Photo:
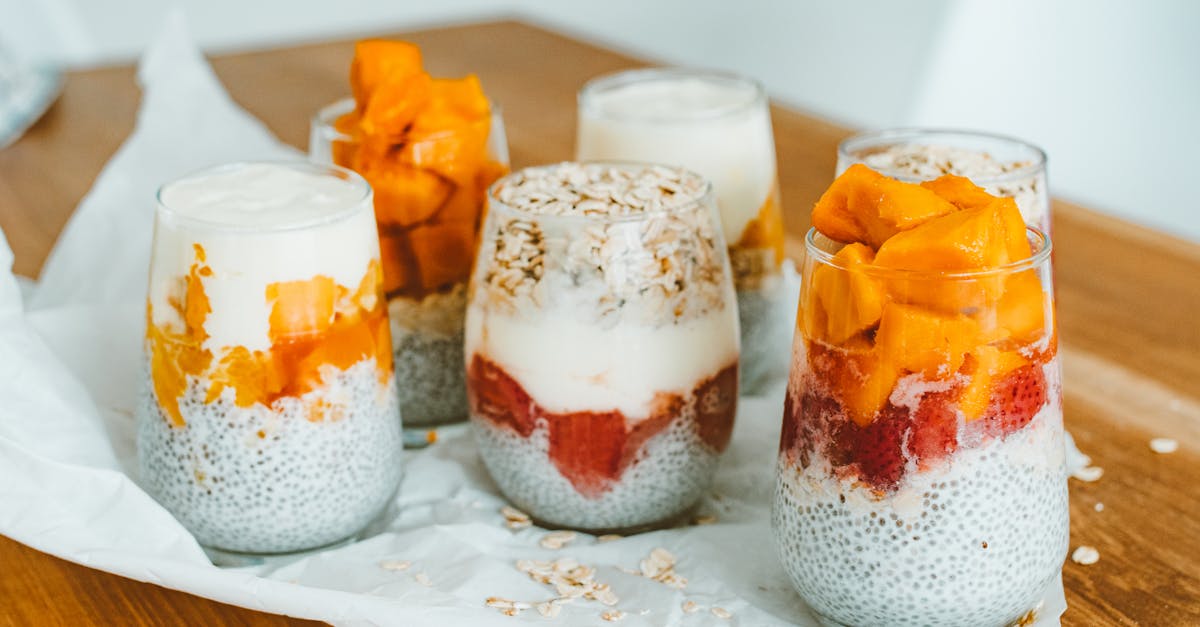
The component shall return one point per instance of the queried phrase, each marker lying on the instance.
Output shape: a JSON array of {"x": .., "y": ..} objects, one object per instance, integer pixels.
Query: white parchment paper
[{"x": 69, "y": 356}]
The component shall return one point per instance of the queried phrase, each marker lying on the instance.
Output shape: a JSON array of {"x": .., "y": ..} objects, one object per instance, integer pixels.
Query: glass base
[
  {"x": 235, "y": 559},
  {"x": 675, "y": 520}
]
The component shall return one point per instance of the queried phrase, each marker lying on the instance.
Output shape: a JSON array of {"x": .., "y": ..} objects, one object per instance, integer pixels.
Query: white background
[{"x": 1110, "y": 88}]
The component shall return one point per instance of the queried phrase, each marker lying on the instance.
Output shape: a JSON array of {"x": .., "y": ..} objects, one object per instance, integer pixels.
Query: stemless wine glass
[
  {"x": 718, "y": 125},
  {"x": 602, "y": 343},
  {"x": 921, "y": 475},
  {"x": 430, "y": 192},
  {"x": 1004, "y": 166},
  {"x": 269, "y": 420}
]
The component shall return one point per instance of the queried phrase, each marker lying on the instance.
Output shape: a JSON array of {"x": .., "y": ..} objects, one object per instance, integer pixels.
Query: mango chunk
[
  {"x": 395, "y": 104},
  {"x": 445, "y": 253},
  {"x": 959, "y": 191},
  {"x": 987, "y": 364},
  {"x": 851, "y": 299},
  {"x": 1021, "y": 313},
  {"x": 863, "y": 206},
  {"x": 921, "y": 340},
  {"x": 301, "y": 308},
  {"x": 865, "y": 386},
  {"x": 376, "y": 60},
  {"x": 406, "y": 196}
]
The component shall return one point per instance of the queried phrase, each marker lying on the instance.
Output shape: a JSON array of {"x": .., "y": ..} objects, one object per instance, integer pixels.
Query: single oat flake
[
  {"x": 1085, "y": 555},
  {"x": 612, "y": 616},
  {"x": 395, "y": 564},
  {"x": 1164, "y": 446},
  {"x": 721, "y": 612},
  {"x": 557, "y": 539}
]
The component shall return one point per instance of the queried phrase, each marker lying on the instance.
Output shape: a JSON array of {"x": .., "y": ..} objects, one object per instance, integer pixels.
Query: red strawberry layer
[
  {"x": 879, "y": 453},
  {"x": 593, "y": 449}
]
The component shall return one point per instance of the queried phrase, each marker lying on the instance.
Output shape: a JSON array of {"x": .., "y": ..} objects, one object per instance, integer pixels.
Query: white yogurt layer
[
  {"x": 717, "y": 129},
  {"x": 258, "y": 224},
  {"x": 568, "y": 363}
]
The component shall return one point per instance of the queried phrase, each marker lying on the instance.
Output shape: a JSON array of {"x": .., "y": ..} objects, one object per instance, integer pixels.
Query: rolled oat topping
[{"x": 665, "y": 257}]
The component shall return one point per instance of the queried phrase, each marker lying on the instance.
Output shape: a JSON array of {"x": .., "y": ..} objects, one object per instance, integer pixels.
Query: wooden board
[{"x": 1127, "y": 303}]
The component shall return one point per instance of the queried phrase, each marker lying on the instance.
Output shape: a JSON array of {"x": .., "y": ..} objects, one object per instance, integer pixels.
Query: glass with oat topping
[
  {"x": 718, "y": 125},
  {"x": 602, "y": 343},
  {"x": 1004, "y": 166},
  {"x": 269, "y": 420},
  {"x": 429, "y": 147}
]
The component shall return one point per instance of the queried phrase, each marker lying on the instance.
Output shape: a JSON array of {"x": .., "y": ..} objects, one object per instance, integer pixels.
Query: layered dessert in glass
[
  {"x": 718, "y": 125},
  {"x": 269, "y": 420},
  {"x": 602, "y": 343},
  {"x": 921, "y": 475},
  {"x": 429, "y": 147},
  {"x": 1003, "y": 166}
]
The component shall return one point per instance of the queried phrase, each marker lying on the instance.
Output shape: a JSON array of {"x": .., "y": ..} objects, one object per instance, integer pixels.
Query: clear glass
[
  {"x": 921, "y": 475},
  {"x": 602, "y": 360},
  {"x": 718, "y": 125},
  {"x": 268, "y": 420},
  {"x": 1004, "y": 166},
  {"x": 429, "y": 199}
]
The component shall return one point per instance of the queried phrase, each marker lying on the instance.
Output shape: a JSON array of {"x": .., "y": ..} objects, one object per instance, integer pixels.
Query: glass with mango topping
[
  {"x": 921, "y": 476},
  {"x": 429, "y": 147},
  {"x": 268, "y": 421}
]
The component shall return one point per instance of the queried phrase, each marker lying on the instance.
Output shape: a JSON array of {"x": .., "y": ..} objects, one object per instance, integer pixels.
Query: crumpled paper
[{"x": 68, "y": 375}]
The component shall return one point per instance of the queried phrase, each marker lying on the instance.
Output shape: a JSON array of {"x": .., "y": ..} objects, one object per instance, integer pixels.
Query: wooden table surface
[{"x": 1127, "y": 303}]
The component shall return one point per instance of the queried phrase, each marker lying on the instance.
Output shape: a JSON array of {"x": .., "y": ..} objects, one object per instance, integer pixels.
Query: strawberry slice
[
  {"x": 1015, "y": 400},
  {"x": 588, "y": 449},
  {"x": 497, "y": 397},
  {"x": 934, "y": 433},
  {"x": 877, "y": 449}
]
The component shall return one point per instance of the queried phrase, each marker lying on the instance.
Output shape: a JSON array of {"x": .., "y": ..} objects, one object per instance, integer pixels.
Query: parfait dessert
[
  {"x": 429, "y": 147},
  {"x": 921, "y": 474},
  {"x": 1003, "y": 166},
  {"x": 269, "y": 420},
  {"x": 719, "y": 126},
  {"x": 602, "y": 343}
]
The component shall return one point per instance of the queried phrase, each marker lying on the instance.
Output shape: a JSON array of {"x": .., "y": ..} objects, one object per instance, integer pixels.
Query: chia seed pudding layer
[
  {"x": 973, "y": 540},
  {"x": 427, "y": 340},
  {"x": 263, "y": 479}
]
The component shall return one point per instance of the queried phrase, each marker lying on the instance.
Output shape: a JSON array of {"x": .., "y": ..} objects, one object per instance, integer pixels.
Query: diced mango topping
[
  {"x": 314, "y": 324},
  {"x": 422, "y": 144},
  {"x": 898, "y": 298}
]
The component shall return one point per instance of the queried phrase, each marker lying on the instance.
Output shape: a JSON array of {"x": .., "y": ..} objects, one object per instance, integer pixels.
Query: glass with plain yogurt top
[
  {"x": 921, "y": 475},
  {"x": 269, "y": 419},
  {"x": 602, "y": 343},
  {"x": 1004, "y": 166},
  {"x": 719, "y": 126}
]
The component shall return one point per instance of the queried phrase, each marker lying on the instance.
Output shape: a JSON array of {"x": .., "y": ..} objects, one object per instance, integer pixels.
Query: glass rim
[
  {"x": 1041, "y": 245},
  {"x": 360, "y": 203},
  {"x": 705, "y": 195},
  {"x": 909, "y": 135},
  {"x": 324, "y": 118},
  {"x": 586, "y": 97}
]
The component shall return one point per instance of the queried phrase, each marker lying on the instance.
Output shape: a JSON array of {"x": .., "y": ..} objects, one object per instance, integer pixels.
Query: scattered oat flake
[
  {"x": 720, "y": 612},
  {"x": 423, "y": 579},
  {"x": 1088, "y": 473},
  {"x": 609, "y": 537},
  {"x": 705, "y": 520},
  {"x": 1164, "y": 446},
  {"x": 1099, "y": 507},
  {"x": 612, "y": 616},
  {"x": 515, "y": 518},
  {"x": 1085, "y": 555},
  {"x": 557, "y": 539},
  {"x": 690, "y": 607},
  {"x": 1030, "y": 617},
  {"x": 395, "y": 564},
  {"x": 549, "y": 609}
]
